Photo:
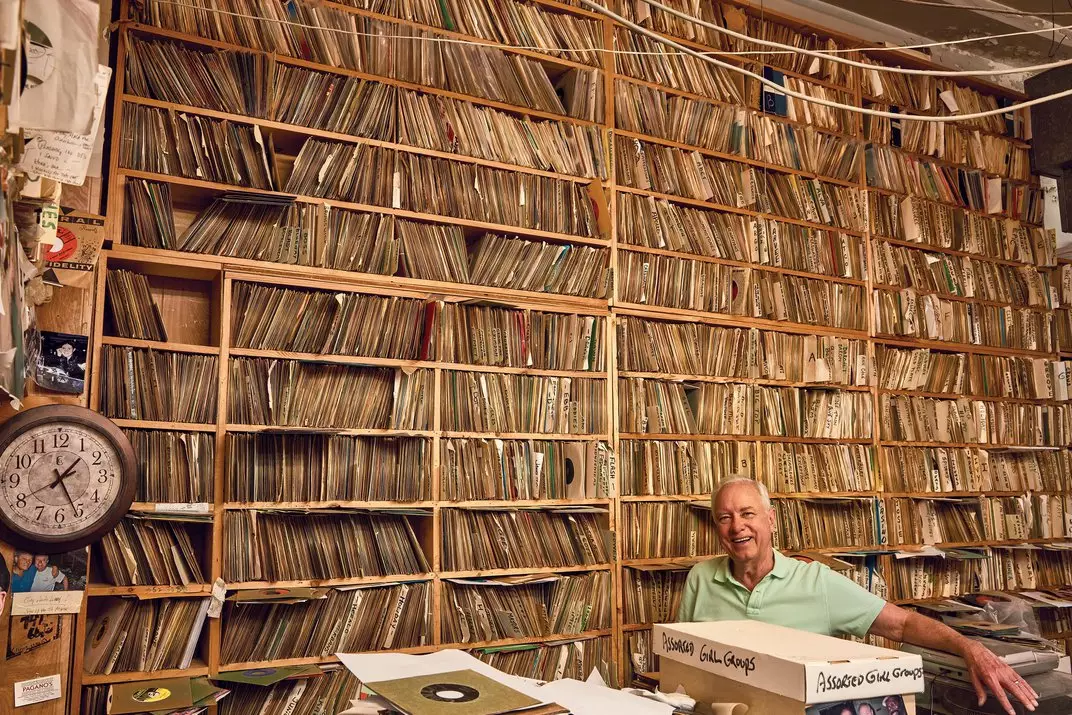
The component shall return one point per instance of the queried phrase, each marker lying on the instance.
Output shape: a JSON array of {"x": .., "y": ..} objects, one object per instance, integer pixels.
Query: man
[
  {"x": 756, "y": 581},
  {"x": 23, "y": 572},
  {"x": 46, "y": 577}
]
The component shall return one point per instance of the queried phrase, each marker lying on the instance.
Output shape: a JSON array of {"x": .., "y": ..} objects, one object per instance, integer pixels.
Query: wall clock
[{"x": 67, "y": 476}]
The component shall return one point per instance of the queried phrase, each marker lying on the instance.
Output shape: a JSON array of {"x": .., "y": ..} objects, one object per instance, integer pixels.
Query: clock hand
[
  {"x": 59, "y": 477},
  {"x": 68, "y": 493}
]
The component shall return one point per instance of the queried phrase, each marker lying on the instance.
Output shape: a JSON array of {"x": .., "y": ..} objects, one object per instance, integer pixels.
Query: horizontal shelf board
[
  {"x": 314, "y": 277},
  {"x": 685, "y": 315},
  {"x": 971, "y": 445},
  {"x": 351, "y": 581},
  {"x": 214, "y": 186},
  {"x": 392, "y": 362},
  {"x": 193, "y": 589},
  {"x": 311, "y": 132},
  {"x": 680, "y": 377},
  {"x": 736, "y": 157},
  {"x": 952, "y": 252},
  {"x": 981, "y": 398},
  {"x": 899, "y": 194},
  {"x": 742, "y": 438},
  {"x": 182, "y": 507},
  {"x": 588, "y": 437},
  {"x": 328, "y": 430},
  {"x": 962, "y": 493},
  {"x": 325, "y": 505},
  {"x": 345, "y": 72},
  {"x": 951, "y": 347},
  {"x": 518, "y": 503},
  {"x": 194, "y": 671},
  {"x": 701, "y": 203},
  {"x": 532, "y": 640},
  {"x": 523, "y": 571},
  {"x": 314, "y": 660},
  {"x": 958, "y": 298},
  {"x": 741, "y": 264},
  {"x": 171, "y": 426},
  {"x": 158, "y": 345},
  {"x": 706, "y": 498}
]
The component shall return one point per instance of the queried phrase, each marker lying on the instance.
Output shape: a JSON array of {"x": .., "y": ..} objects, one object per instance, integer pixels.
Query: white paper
[
  {"x": 65, "y": 156},
  {"x": 592, "y": 699},
  {"x": 39, "y": 603},
  {"x": 373, "y": 667},
  {"x": 9, "y": 24},
  {"x": 61, "y": 60},
  {"x": 38, "y": 690}
]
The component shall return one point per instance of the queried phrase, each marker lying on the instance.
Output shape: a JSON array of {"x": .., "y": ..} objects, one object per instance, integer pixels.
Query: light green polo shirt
[{"x": 806, "y": 596}]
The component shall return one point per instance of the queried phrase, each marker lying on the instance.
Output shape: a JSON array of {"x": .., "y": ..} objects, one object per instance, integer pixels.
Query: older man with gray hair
[{"x": 756, "y": 581}]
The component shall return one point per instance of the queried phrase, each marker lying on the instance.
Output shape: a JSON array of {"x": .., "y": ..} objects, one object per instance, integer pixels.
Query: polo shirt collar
[{"x": 724, "y": 572}]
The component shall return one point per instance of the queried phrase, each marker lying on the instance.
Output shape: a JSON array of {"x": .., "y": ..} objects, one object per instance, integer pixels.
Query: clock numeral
[
  {"x": 12, "y": 480},
  {"x": 78, "y": 510},
  {"x": 39, "y": 445},
  {"x": 61, "y": 440},
  {"x": 96, "y": 458},
  {"x": 103, "y": 476},
  {"x": 60, "y": 516},
  {"x": 82, "y": 440},
  {"x": 23, "y": 461},
  {"x": 20, "y": 500},
  {"x": 40, "y": 511},
  {"x": 96, "y": 496}
]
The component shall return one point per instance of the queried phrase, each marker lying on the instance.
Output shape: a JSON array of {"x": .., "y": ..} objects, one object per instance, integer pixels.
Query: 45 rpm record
[{"x": 450, "y": 693}]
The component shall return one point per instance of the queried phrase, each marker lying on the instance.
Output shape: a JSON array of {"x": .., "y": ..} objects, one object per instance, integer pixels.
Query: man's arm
[{"x": 902, "y": 625}]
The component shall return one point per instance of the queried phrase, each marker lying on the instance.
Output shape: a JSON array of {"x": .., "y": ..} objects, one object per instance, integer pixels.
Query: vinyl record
[{"x": 450, "y": 693}]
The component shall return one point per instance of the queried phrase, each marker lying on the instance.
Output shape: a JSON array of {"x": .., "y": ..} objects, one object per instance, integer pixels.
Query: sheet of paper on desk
[
  {"x": 371, "y": 667},
  {"x": 592, "y": 699}
]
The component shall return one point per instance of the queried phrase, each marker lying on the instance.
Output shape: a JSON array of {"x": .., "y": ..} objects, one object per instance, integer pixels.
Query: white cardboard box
[{"x": 805, "y": 667}]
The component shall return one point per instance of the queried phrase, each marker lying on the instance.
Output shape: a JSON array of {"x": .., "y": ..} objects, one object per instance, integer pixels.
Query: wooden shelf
[
  {"x": 959, "y": 298},
  {"x": 931, "y": 248},
  {"x": 951, "y": 347},
  {"x": 171, "y": 426},
  {"x": 311, "y": 583},
  {"x": 426, "y": 364},
  {"x": 701, "y": 203},
  {"x": 742, "y": 264},
  {"x": 706, "y": 498},
  {"x": 328, "y": 278},
  {"x": 680, "y": 377},
  {"x": 971, "y": 445},
  {"x": 525, "y": 571},
  {"x": 743, "y": 438},
  {"x": 345, "y": 72},
  {"x": 176, "y": 591},
  {"x": 325, "y": 505},
  {"x": 984, "y": 214},
  {"x": 212, "y": 186},
  {"x": 684, "y": 315},
  {"x": 194, "y": 671},
  {"x": 303, "y": 131},
  {"x": 315, "y": 660},
  {"x": 531, "y": 640},
  {"x": 162, "y": 346},
  {"x": 981, "y": 398},
  {"x": 588, "y": 437},
  {"x": 956, "y": 165},
  {"x": 652, "y": 139},
  {"x": 289, "y": 429}
]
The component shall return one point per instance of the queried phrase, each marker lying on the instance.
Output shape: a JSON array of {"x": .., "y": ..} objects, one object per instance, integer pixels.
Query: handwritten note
[{"x": 63, "y": 156}]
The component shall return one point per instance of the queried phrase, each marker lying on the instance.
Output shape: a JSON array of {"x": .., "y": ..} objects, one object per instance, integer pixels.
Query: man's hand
[{"x": 988, "y": 672}]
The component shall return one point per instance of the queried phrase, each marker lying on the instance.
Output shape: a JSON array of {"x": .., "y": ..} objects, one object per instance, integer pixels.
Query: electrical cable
[
  {"x": 658, "y": 38},
  {"x": 855, "y": 63},
  {"x": 818, "y": 100},
  {"x": 974, "y": 8},
  {"x": 639, "y": 53}
]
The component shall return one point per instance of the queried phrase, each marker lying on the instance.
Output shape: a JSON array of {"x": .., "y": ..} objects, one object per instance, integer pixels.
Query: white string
[
  {"x": 983, "y": 10},
  {"x": 855, "y": 63},
  {"x": 819, "y": 100},
  {"x": 641, "y": 53}
]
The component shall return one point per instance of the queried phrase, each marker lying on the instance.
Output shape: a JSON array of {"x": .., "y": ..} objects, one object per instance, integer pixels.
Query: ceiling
[{"x": 939, "y": 24}]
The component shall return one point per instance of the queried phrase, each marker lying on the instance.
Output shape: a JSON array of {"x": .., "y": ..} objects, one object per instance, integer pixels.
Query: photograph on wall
[
  {"x": 885, "y": 705},
  {"x": 47, "y": 583},
  {"x": 61, "y": 362}
]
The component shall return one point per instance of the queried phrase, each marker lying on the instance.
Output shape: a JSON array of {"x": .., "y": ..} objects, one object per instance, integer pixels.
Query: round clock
[{"x": 67, "y": 476}]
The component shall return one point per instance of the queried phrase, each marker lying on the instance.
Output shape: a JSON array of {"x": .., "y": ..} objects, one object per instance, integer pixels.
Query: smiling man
[{"x": 756, "y": 581}]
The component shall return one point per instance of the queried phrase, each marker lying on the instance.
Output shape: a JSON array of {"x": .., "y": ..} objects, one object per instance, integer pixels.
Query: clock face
[{"x": 60, "y": 481}]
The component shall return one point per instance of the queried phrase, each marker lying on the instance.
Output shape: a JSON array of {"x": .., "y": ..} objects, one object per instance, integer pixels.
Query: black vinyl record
[{"x": 450, "y": 693}]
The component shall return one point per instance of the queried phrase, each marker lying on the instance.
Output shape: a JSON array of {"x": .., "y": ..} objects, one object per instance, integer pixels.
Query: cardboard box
[{"x": 764, "y": 665}]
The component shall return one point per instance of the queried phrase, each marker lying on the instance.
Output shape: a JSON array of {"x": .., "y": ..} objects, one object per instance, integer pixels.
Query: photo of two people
[
  {"x": 40, "y": 573},
  {"x": 888, "y": 705}
]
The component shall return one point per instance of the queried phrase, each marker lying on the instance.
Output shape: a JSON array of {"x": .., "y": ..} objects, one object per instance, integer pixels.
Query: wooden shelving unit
[{"x": 200, "y": 320}]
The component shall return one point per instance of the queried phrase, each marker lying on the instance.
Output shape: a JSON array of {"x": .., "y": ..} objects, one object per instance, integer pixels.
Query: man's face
[
  {"x": 744, "y": 526},
  {"x": 865, "y": 709},
  {"x": 41, "y": 562},
  {"x": 24, "y": 561}
]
